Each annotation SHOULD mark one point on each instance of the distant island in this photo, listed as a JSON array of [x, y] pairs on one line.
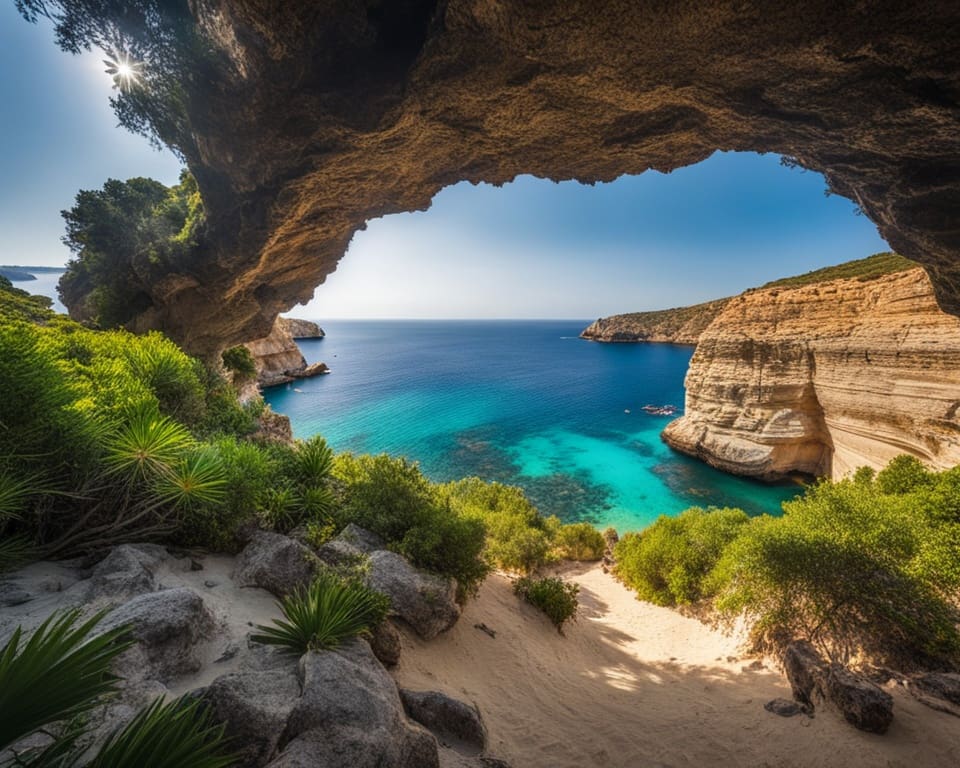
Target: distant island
[[18, 274]]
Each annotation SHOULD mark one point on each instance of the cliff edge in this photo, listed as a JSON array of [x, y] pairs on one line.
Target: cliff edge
[[277, 356], [681, 325], [824, 377]]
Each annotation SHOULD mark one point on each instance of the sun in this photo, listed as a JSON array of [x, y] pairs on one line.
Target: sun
[[125, 71]]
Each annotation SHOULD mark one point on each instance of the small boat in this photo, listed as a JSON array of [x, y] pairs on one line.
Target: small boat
[[660, 410], [626, 410]]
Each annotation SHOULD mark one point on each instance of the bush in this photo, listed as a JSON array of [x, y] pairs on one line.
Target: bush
[[394, 500], [325, 614], [239, 360], [854, 567], [579, 541], [555, 597], [668, 563], [518, 538]]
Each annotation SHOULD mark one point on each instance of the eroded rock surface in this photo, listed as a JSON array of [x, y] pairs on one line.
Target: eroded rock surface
[[310, 120], [424, 601], [277, 356], [824, 378], [276, 563], [450, 719]]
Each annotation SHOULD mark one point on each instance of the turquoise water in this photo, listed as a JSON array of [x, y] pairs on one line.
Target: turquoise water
[[522, 402]]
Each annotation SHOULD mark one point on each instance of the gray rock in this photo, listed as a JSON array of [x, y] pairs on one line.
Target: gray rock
[[452, 721], [12, 594], [129, 570], [426, 602], [941, 685], [167, 625], [275, 563], [385, 643], [862, 704], [360, 538], [254, 707], [350, 716], [350, 546], [783, 707]]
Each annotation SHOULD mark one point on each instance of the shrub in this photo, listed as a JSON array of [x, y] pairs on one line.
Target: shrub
[[902, 475], [668, 563], [579, 541], [555, 597], [239, 360], [324, 614], [852, 568], [518, 538]]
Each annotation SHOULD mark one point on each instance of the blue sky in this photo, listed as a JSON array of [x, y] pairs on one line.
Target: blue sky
[[530, 249]]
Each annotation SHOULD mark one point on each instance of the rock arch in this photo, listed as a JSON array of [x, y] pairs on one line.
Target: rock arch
[[320, 117]]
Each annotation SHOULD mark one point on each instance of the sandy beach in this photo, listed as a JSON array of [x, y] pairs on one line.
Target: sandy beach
[[632, 684]]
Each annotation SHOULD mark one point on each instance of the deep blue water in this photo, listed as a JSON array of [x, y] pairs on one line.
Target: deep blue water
[[522, 402]]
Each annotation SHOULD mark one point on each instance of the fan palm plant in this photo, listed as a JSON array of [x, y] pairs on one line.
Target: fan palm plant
[[146, 446], [325, 614], [195, 479]]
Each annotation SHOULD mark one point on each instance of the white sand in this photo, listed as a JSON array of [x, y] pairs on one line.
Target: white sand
[[635, 685]]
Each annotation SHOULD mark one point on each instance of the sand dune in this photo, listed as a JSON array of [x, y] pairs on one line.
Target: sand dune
[[635, 685]]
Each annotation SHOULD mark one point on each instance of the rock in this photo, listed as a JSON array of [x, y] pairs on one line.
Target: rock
[[450, 720], [301, 329], [279, 359], [276, 563], [127, 571], [771, 387], [314, 369], [942, 685], [350, 716], [865, 94], [385, 643], [783, 707], [254, 706], [273, 428], [425, 601], [360, 538], [167, 625], [862, 704], [666, 326], [349, 546], [12, 594]]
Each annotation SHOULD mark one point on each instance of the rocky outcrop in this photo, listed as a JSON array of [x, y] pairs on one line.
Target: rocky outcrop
[[824, 378], [813, 681], [276, 563], [682, 325], [424, 601], [310, 120], [277, 356], [449, 719]]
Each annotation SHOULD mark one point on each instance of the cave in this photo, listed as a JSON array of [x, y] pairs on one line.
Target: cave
[[306, 121]]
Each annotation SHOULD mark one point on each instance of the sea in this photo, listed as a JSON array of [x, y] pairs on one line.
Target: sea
[[522, 402]]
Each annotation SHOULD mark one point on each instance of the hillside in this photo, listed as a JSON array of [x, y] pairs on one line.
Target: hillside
[[685, 325]]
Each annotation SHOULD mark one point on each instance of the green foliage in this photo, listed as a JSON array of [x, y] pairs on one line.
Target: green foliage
[[328, 612], [394, 500], [555, 597], [175, 734], [239, 360], [58, 674], [17, 304], [518, 538], [126, 237], [579, 541], [669, 562], [902, 475], [854, 568], [145, 446], [870, 268]]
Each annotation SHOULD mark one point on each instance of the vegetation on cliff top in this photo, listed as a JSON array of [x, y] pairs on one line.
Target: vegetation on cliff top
[[870, 268]]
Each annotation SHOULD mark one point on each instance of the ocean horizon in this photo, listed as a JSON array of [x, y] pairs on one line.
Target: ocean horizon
[[525, 402]]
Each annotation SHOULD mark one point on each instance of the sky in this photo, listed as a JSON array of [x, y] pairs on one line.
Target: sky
[[530, 249]]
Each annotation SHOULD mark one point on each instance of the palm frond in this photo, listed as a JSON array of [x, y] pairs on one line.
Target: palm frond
[[175, 734], [194, 479], [146, 446], [325, 614], [57, 674], [314, 461]]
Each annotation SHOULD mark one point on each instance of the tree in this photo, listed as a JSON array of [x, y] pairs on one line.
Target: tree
[[125, 236]]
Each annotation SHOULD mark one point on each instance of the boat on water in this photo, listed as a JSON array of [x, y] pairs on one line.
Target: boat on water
[[660, 410]]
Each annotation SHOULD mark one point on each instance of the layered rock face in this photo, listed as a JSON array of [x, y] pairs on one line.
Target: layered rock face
[[825, 378], [279, 359], [306, 120], [682, 325]]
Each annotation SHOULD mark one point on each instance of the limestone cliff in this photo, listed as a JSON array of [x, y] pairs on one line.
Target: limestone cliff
[[301, 121], [823, 378], [682, 325], [279, 359]]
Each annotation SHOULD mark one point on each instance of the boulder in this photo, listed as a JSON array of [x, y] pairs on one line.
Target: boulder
[[276, 563], [167, 625], [360, 538], [349, 546], [783, 707], [350, 716], [254, 705], [862, 704], [451, 720], [385, 643], [425, 601], [129, 570], [941, 685]]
